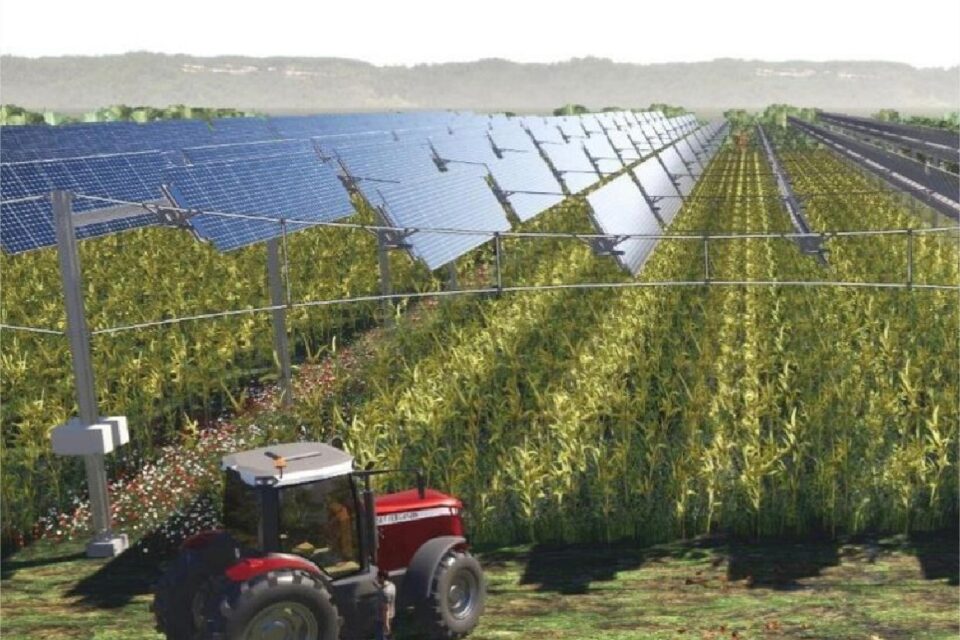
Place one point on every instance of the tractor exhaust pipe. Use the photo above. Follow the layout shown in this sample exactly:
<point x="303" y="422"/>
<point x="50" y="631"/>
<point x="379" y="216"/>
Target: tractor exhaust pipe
<point x="421" y="484"/>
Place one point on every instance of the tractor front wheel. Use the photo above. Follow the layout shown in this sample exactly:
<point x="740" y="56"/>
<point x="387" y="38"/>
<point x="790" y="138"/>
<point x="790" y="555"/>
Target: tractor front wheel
<point x="180" y="597"/>
<point x="280" y="605"/>
<point x="456" y="599"/>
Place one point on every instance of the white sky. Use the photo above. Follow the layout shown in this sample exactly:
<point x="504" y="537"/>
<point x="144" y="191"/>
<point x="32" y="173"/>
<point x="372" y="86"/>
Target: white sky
<point x="921" y="32"/>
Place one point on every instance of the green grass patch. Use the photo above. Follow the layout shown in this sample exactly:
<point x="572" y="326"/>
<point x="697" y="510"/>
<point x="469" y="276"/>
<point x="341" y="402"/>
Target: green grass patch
<point x="709" y="589"/>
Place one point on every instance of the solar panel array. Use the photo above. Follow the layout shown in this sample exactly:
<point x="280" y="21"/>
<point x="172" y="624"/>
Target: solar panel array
<point x="420" y="169"/>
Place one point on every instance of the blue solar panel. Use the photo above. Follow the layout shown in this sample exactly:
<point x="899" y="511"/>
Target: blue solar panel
<point x="470" y="147"/>
<point x="330" y="144"/>
<point x="231" y="130"/>
<point x="511" y="137"/>
<point x="607" y="121"/>
<point x="624" y="145"/>
<point x="639" y="140"/>
<point x="444" y="201"/>
<point x="620" y="209"/>
<point x="606" y="158"/>
<point x="571" y="127"/>
<point x="543" y="131"/>
<point x="659" y="188"/>
<point x="590" y="123"/>
<point x="294" y="186"/>
<point x="320" y="125"/>
<point x="677" y="170"/>
<point x="238" y="151"/>
<point x="689" y="157"/>
<point x="526" y="172"/>
<point x="393" y="162"/>
<point x="29" y="225"/>
<point x="421" y="135"/>
<point x="571" y="161"/>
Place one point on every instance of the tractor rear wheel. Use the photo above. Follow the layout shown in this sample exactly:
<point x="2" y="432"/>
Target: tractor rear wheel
<point x="280" y="605"/>
<point x="457" y="597"/>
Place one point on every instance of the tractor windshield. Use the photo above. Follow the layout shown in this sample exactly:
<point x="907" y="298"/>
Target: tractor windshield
<point x="319" y="522"/>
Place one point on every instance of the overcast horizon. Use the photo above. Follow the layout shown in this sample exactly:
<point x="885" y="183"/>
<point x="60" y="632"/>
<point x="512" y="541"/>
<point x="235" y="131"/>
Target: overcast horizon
<point x="486" y="59"/>
<point x="428" y="32"/>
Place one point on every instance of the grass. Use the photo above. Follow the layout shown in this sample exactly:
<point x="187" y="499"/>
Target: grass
<point x="712" y="588"/>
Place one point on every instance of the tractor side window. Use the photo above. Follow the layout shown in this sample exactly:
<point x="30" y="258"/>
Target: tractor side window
<point x="318" y="522"/>
<point x="241" y="510"/>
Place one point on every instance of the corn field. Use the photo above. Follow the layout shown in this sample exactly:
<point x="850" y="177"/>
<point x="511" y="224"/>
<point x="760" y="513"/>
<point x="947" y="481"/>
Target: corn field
<point x="646" y="413"/>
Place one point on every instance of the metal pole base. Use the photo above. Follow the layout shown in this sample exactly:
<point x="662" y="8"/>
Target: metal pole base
<point x="108" y="545"/>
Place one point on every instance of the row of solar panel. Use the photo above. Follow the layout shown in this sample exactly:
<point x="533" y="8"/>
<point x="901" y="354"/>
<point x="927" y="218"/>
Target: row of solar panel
<point x="944" y="185"/>
<point x="42" y="142"/>
<point x="366" y="156"/>
<point x="414" y="183"/>
<point x="940" y="137"/>
<point x="646" y="200"/>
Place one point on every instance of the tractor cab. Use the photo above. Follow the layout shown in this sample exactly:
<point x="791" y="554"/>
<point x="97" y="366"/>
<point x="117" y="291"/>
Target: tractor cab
<point x="303" y="540"/>
<point x="298" y="499"/>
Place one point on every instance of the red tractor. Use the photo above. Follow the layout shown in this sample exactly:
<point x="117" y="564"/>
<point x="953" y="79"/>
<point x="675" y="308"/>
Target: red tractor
<point x="302" y="543"/>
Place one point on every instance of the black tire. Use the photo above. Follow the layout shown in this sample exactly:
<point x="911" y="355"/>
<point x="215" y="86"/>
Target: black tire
<point x="445" y="614"/>
<point x="180" y="597"/>
<point x="295" y="595"/>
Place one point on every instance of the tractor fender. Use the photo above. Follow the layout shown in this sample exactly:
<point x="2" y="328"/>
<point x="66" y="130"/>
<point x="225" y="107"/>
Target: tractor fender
<point x="418" y="578"/>
<point x="202" y="539"/>
<point x="249" y="568"/>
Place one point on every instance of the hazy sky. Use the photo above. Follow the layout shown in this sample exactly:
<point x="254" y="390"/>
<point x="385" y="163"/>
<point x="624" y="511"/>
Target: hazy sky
<point x="922" y="32"/>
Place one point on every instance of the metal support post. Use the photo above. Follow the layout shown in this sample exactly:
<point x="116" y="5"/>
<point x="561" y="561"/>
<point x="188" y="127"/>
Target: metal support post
<point x="386" y="289"/>
<point x="278" y="299"/>
<point x="909" y="258"/>
<point x="706" y="259"/>
<point x="452" y="284"/>
<point x="104" y="543"/>
<point x="497" y="255"/>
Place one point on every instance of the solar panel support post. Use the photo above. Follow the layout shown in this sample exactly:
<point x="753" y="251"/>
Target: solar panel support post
<point x="706" y="259"/>
<point x="105" y="543"/>
<point x="497" y="249"/>
<point x="909" y="258"/>
<point x="278" y="300"/>
<point x="386" y="288"/>
<point x="452" y="282"/>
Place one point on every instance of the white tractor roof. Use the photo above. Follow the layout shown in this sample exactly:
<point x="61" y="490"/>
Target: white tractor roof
<point x="281" y="465"/>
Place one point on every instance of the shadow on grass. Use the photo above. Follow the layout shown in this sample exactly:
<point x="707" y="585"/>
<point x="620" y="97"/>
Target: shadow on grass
<point x="572" y="569"/>
<point x="134" y="572"/>
<point x="10" y="567"/>
<point x="778" y="564"/>
<point x="938" y="554"/>
<point x="782" y="564"/>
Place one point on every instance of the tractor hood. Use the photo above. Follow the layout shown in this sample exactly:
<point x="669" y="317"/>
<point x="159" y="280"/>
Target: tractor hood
<point x="411" y="501"/>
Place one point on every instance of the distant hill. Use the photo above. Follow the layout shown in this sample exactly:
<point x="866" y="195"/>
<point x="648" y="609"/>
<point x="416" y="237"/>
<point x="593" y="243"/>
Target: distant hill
<point x="321" y="84"/>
